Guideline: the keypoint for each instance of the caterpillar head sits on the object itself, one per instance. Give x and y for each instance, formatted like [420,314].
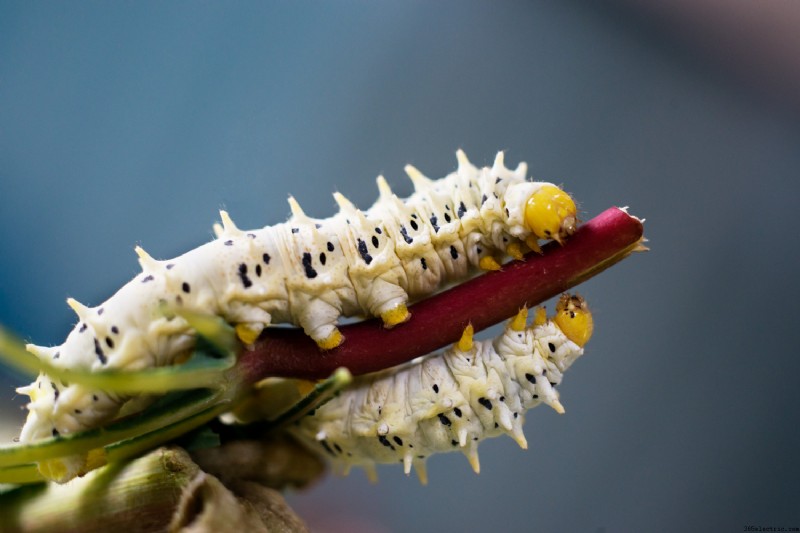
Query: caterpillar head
[574,319]
[550,213]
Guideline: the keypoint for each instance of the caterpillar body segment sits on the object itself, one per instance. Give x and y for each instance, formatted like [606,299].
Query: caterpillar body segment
[306,271]
[451,401]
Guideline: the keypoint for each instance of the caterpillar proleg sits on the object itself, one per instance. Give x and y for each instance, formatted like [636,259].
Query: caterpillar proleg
[306,271]
[451,401]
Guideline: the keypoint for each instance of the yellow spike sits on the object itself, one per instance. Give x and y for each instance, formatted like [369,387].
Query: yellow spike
[539,316]
[147,263]
[228,227]
[421,471]
[331,341]
[55,469]
[462,158]
[417,178]
[533,243]
[383,188]
[519,322]
[304,386]
[372,473]
[515,251]
[489,263]
[556,405]
[474,462]
[81,310]
[519,438]
[395,316]
[248,332]
[465,343]
[95,459]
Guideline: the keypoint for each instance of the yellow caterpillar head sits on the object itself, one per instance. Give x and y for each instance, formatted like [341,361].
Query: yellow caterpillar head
[550,213]
[574,319]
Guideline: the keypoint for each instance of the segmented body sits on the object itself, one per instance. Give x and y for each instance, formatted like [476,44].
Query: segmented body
[306,271]
[450,401]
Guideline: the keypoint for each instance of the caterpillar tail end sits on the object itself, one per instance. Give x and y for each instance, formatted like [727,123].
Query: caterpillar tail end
[395,316]
[331,341]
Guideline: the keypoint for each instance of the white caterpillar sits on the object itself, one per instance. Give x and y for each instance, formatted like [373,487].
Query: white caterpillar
[450,401]
[305,271]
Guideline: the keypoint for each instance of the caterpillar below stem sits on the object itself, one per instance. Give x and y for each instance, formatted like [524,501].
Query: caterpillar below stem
[453,400]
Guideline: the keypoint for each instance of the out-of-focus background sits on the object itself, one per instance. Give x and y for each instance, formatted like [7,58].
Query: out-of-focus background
[133,123]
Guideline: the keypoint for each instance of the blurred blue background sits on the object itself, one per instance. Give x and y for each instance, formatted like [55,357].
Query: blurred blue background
[133,123]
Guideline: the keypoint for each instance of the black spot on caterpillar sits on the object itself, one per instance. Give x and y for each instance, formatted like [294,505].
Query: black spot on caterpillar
[446,401]
[294,283]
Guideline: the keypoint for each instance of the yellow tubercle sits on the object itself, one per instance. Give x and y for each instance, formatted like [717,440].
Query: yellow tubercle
[574,319]
[557,407]
[533,243]
[550,213]
[53,469]
[422,472]
[514,251]
[489,263]
[465,343]
[331,341]
[519,438]
[519,322]
[95,459]
[247,333]
[372,473]
[539,316]
[395,316]
[304,386]
[474,462]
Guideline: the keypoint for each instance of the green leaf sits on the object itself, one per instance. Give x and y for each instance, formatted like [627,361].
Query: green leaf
[322,392]
[182,407]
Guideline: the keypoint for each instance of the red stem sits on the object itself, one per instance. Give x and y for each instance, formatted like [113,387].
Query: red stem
[440,320]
